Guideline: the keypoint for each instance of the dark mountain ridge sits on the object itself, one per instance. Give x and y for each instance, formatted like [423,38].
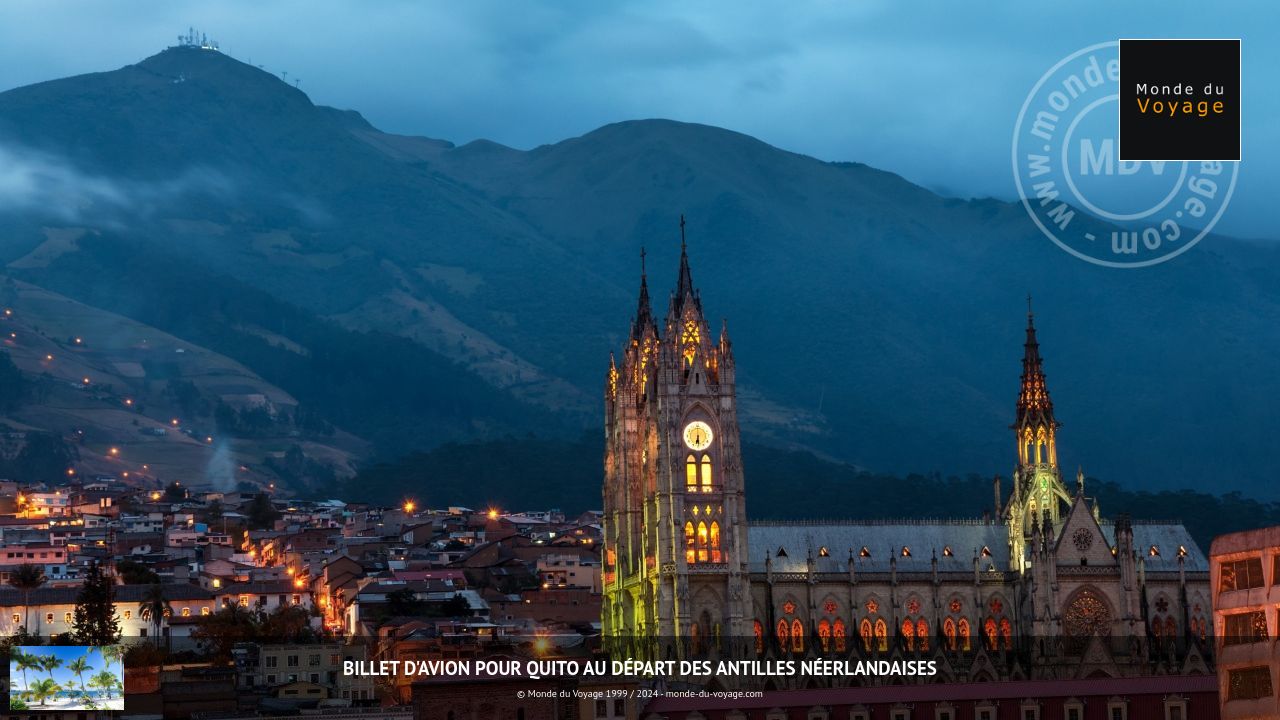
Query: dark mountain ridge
[874,321]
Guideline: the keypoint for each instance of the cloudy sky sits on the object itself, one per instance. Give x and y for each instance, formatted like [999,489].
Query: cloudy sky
[926,89]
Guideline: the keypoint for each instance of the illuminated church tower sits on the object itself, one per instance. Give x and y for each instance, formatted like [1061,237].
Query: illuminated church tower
[675,576]
[1039,496]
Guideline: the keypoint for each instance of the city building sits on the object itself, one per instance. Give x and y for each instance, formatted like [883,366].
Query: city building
[1245,576]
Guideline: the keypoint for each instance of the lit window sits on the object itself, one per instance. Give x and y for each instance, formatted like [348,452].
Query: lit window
[186,612]
[128,614]
[689,550]
[949,631]
[864,552]
[922,635]
[17,618]
[706,473]
[823,552]
[906,551]
[715,542]
[909,634]
[824,635]
[797,636]
[837,630]
[691,473]
[759,632]
[48,618]
[946,551]
[964,635]
[864,632]
[702,542]
[204,611]
[882,635]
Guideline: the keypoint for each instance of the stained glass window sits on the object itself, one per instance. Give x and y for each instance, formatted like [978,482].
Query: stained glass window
[991,633]
[837,629]
[689,550]
[706,473]
[882,635]
[691,474]
[909,634]
[949,631]
[759,632]
[864,631]
[797,636]
[1087,615]
[824,635]
[784,633]
[702,542]
[715,542]
[964,635]
[830,607]
[1006,632]
[922,635]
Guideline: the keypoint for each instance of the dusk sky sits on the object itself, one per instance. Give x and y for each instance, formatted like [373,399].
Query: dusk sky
[926,89]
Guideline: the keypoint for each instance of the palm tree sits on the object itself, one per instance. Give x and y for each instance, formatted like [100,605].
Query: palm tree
[79,666]
[104,680]
[155,608]
[42,690]
[24,661]
[50,663]
[110,654]
[27,577]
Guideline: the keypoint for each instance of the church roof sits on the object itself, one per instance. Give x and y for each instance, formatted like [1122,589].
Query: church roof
[1166,538]
[798,540]
[882,540]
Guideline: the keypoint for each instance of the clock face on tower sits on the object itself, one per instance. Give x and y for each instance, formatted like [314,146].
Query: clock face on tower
[697,435]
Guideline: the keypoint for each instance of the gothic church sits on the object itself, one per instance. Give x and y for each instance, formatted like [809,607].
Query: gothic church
[1046,588]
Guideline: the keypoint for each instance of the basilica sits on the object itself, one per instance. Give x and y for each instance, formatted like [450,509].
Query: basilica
[1048,587]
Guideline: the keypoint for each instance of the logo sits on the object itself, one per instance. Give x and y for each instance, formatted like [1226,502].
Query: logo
[1082,196]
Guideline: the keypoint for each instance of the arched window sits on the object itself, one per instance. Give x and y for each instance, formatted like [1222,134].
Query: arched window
[882,635]
[991,633]
[759,631]
[715,542]
[797,636]
[706,473]
[695,640]
[909,634]
[864,631]
[824,635]
[922,635]
[1157,628]
[784,634]
[964,635]
[691,473]
[1170,628]
[689,550]
[837,629]
[1006,632]
[702,542]
[949,632]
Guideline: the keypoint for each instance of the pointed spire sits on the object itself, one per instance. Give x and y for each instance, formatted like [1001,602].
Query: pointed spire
[644,311]
[684,293]
[1034,404]
[1080,480]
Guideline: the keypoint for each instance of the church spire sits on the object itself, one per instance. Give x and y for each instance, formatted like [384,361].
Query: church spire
[644,311]
[1034,404]
[684,292]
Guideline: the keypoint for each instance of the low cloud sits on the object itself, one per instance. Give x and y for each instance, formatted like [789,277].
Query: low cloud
[35,182]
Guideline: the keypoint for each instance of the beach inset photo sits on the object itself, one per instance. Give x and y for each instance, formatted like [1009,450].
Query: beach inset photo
[72,677]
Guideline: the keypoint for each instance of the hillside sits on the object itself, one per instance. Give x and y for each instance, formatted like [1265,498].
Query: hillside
[143,405]
[874,322]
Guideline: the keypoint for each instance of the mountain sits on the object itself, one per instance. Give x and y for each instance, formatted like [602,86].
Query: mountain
[875,322]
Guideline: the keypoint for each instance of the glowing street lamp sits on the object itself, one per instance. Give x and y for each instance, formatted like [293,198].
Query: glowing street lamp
[409,505]
[493,513]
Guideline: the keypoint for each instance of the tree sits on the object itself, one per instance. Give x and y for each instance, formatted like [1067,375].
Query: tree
[27,577]
[110,654]
[155,608]
[135,573]
[219,632]
[95,620]
[105,680]
[49,663]
[79,667]
[173,493]
[42,690]
[262,514]
[24,661]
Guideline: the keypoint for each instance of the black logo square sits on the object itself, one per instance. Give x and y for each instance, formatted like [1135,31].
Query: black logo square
[1179,99]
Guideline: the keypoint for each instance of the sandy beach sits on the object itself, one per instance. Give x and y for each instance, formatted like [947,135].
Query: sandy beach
[75,704]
